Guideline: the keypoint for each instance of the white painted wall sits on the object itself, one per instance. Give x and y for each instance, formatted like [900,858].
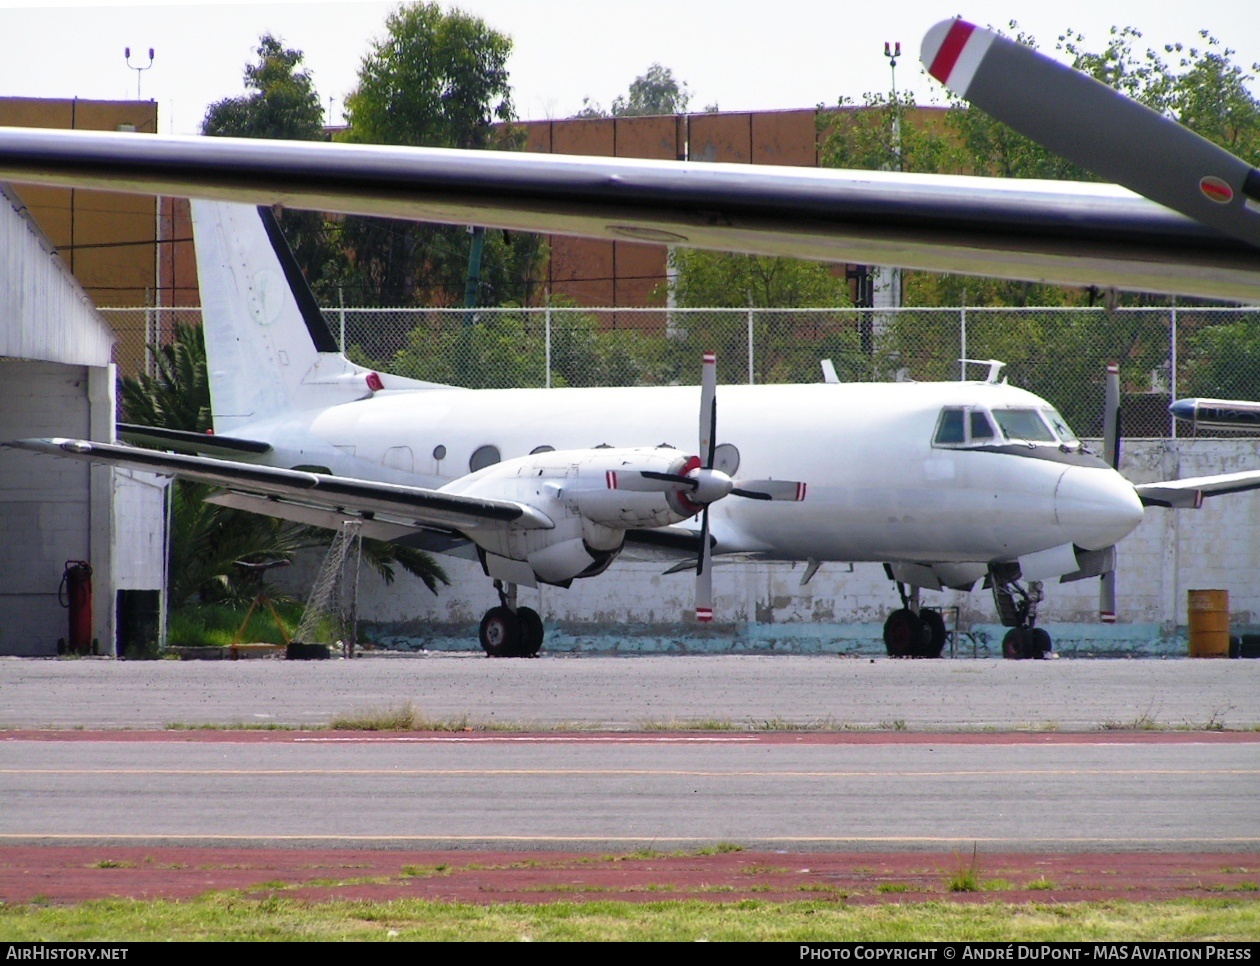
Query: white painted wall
[56,380]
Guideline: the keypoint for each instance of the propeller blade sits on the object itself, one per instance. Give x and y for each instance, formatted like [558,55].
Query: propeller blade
[1107,597]
[788,490]
[708,409]
[1111,453]
[704,573]
[1096,127]
[1111,417]
[649,481]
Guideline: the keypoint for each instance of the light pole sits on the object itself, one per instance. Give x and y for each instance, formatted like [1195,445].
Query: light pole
[138,70]
[892,52]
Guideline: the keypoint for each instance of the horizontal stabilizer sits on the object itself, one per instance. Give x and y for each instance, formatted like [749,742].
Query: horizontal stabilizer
[185,441]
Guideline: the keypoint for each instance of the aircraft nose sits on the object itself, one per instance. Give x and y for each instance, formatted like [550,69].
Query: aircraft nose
[1098,507]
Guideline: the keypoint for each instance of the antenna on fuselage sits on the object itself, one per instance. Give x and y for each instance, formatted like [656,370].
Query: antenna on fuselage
[994,365]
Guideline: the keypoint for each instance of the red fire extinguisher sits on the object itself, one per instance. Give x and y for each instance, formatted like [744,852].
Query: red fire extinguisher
[75,594]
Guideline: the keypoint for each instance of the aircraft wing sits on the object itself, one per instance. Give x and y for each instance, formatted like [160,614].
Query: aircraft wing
[1059,232]
[405,506]
[1189,493]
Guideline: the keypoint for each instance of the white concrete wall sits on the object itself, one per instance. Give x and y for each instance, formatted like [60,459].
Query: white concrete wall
[45,513]
[1216,547]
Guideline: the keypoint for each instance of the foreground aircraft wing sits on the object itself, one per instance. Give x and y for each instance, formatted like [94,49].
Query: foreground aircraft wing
[1058,232]
[345,497]
[1095,126]
[1189,493]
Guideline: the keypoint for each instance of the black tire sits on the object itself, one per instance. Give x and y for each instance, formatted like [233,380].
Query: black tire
[1014,644]
[933,633]
[532,631]
[903,633]
[499,632]
[1038,644]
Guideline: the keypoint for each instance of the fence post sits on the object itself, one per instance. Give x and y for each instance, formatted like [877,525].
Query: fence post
[962,341]
[1172,362]
[547,342]
[341,302]
[750,341]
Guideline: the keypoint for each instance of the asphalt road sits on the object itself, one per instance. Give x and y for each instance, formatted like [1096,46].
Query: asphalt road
[639,692]
[923,755]
[588,792]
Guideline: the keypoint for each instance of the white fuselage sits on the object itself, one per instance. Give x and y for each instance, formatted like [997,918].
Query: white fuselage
[879,489]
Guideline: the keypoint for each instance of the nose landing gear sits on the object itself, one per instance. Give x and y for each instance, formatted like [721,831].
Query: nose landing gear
[509,630]
[1017,608]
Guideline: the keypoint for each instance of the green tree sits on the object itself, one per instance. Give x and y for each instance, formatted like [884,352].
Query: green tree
[282,103]
[208,540]
[784,351]
[655,92]
[436,79]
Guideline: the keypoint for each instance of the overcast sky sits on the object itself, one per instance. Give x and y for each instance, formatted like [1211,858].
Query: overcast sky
[740,54]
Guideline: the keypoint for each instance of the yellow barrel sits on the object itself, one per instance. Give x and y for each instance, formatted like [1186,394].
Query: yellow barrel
[1209,623]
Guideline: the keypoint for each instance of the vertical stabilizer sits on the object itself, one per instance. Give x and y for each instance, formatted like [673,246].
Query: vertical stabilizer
[268,348]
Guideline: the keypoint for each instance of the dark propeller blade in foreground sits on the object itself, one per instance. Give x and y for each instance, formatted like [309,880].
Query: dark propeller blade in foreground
[1096,127]
[1111,453]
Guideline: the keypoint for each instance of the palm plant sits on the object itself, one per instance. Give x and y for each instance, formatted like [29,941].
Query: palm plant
[207,541]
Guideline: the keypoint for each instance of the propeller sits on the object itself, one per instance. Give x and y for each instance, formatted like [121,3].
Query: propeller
[713,484]
[1096,127]
[698,484]
[708,445]
[1111,453]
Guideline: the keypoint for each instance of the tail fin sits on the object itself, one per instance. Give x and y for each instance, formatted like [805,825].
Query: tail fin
[269,350]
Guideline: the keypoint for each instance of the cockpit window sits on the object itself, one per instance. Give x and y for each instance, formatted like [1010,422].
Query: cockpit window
[1060,426]
[951,430]
[962,426]
[981,428]
[1023,426]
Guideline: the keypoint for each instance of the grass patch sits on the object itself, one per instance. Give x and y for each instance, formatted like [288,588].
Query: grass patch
[216,625]
[691,724]
[965,878]
[230,916]
[404,717]
[892,887]
[1039,884]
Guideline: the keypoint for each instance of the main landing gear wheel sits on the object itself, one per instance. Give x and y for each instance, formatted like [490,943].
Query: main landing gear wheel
[499,632]
[1038,644]
[934,633]
[903,633]
[531,632]
[1020,643]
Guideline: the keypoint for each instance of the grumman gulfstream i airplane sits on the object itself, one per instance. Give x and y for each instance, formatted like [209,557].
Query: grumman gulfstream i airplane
[947,484]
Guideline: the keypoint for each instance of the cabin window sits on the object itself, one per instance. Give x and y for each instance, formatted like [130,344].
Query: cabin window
[482,457]
[1023,426]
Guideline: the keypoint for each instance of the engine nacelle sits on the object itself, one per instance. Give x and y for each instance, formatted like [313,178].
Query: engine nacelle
[593,497]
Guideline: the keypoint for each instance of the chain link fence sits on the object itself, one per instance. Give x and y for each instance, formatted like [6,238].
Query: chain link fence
[1058,353]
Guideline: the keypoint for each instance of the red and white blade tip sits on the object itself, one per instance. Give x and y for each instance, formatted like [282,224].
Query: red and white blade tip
[710,359]
[610,477]
[704,614]
[952,51]
[1107,617]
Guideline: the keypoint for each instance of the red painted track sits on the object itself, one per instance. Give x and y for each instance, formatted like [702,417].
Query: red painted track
[62,874]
